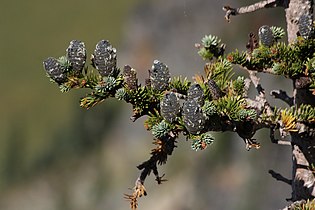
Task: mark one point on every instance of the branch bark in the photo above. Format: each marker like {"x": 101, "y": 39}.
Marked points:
{"x": 252, "y": 8}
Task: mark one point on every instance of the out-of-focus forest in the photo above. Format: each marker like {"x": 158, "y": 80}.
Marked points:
{"x": 55, "y": 155}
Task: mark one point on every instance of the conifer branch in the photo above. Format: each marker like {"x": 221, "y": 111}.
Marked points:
{"x": 215, "y": 101}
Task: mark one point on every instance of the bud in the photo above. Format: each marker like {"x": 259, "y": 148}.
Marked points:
{"x": 104, "y": 58}
{"x": 121, "y": 94}
{"x": 76, "y": 55}
{"x": 205, "y": 140}
{"x": 170, "y": 107}
{"x": 159, "y": 76}
{"x": 55, "y": 70}
{"x": 265, "y": 35}
{"x": 160, "y": 130}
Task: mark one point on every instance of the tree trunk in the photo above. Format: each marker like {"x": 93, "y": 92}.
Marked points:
{"x": 303, "y": 145}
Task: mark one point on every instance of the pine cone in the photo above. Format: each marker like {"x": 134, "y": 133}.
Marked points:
{"x": 55, "y": 70}
{"x": 76, "y": 55}
{"x": 215, "y": 91}
{"x": 195, "y": 92}
{"x": 104, "y": 58}
{"x": 265, "y": 35}
{"x": 193, "y": 117}
{"x": 130, "y": 78}
{"x": 159, "y": 76}
{"x": 170, "y": 107}
{"x": 306, "y": 27}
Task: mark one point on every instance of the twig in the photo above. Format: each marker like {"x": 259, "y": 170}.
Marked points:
{"x": 138, "y": 191}
{"x": 251, "y": 8}
{"x": 263, "y": 70}
{"x": 282, "y": 95}
{"x": 165, "y": 147}
{"x": 261, "y": 98}
{"x": 251, "y": 143}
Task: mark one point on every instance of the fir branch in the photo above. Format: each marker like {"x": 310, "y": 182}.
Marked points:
{"x": 214, "y": 102}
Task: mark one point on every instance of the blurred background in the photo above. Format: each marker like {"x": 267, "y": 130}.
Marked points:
{"x": 55, "y": 155}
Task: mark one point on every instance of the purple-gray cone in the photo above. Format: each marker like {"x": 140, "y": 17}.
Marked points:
{"x": 265, "y": 35}
{"x": 195, "y": 92}
{"x": 306, "y": 27}
{"x": 55, "y": 70}
{"x": 170, "y": 107}
{"x": 76, "y": 55}
{"x": 159, "y": 76}
{"x": 194, "y": 120}
{"x": 104, "y": 58}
